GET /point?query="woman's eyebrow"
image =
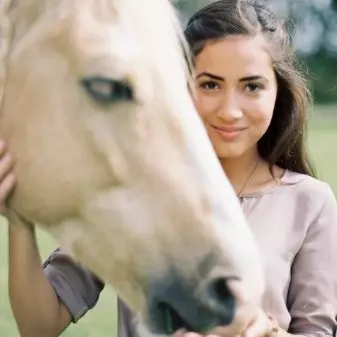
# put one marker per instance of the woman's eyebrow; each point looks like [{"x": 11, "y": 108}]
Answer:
[
  {"x": 253, "y": 78},
  {"x": 214, "y": 77},
  {"x": 243, "y": 79}
]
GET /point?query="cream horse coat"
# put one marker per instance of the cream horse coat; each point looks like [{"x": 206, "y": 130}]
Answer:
[{"x": 113, "y": 160}]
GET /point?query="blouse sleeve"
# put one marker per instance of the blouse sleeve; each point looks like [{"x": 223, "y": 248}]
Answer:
[
  {"x": 312, "y": 297},
  {"x": 76, "y": 287}
]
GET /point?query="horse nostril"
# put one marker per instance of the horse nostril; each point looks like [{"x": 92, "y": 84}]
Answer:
[
  {"x": 219, "y": 289},
  {"x": 222, "y": 297},
  {"x": 172, "y": 320},
  {"x": 173, "y": 305}
]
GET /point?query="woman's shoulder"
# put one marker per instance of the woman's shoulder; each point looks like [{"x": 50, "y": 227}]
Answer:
[
  {"x": 305, "y": 201},
  {"x": 308, "y": 188},
  {"x": 305, "y": 183}
]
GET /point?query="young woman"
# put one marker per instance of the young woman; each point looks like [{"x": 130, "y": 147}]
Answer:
[{"x": 254, "y": 104}]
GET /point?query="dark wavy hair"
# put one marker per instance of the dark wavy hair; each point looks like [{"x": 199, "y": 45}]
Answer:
[{"x": 284, "y": 142}]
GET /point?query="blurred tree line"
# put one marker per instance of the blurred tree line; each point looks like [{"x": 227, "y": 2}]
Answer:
[{"x": 314, "y": 29}]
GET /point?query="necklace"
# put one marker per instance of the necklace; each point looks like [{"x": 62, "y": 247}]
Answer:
[{"x": 249, "y": 178}]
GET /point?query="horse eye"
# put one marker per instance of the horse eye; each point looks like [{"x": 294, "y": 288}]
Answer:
[{"x": 107, "y": 90}]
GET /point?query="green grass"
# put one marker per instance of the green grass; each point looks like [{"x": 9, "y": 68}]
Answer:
[
  {"x": 323, "y": 143},
  {"x": 101, "y": 321}
]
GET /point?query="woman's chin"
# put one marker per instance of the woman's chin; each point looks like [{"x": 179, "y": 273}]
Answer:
[{"x": 228, "y": 151}]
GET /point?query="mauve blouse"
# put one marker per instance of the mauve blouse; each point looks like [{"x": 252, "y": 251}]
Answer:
[{"x": 295, "y": 225}]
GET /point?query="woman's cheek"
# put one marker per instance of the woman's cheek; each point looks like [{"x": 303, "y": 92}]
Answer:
[{"x": 206, "y": 105}]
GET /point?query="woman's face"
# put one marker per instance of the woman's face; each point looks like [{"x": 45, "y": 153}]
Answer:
[{"x": 236, "y": 93}]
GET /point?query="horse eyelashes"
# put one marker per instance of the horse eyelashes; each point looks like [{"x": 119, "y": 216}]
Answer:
[{"x": 107, "y": 90}]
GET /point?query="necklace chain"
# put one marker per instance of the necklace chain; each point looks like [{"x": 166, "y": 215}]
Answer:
[{"x": 249, "y": 178}]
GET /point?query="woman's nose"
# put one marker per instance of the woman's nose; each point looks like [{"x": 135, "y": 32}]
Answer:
[{"x": 229, "y": 108}]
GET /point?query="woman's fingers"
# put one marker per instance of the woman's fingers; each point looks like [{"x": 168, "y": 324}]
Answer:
[
  {"x": 2, "y": 147},
  {"x": 184, "y": 333},
  {"x": 6, "y": 164},
  {"x": 193, "y": 334},
  {"x": 7, "y": 178},
  {"x": 6, "y": 186},
  {"x": 259, "y": 328}
]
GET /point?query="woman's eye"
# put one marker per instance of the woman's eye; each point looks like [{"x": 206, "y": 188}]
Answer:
[
  {"x": 209, "y": 85},
  {"x": 254, "y": 87}
]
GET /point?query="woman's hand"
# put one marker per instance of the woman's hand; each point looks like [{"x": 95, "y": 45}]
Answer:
[
  {"x": 7, "y": 177},
  {"x": 7, "y": 184},
  {"x": 261, "y": 326}
]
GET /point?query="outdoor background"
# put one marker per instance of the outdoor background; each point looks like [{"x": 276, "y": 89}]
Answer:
[{"x": 316, "y": 42}]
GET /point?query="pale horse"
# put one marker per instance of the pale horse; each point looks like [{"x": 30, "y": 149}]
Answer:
[{"x": 114, "y": 162}]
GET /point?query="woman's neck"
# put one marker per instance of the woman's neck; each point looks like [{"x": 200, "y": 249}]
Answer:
[
  {"x": 241, "y": 169},
  {"x": 250, "y": 173}
]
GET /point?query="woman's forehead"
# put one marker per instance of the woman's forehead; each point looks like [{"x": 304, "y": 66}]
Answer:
[{"x": 237, "y": 53}]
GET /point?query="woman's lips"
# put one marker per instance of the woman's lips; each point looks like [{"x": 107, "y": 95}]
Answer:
[{"x": 228, "y": 133}]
